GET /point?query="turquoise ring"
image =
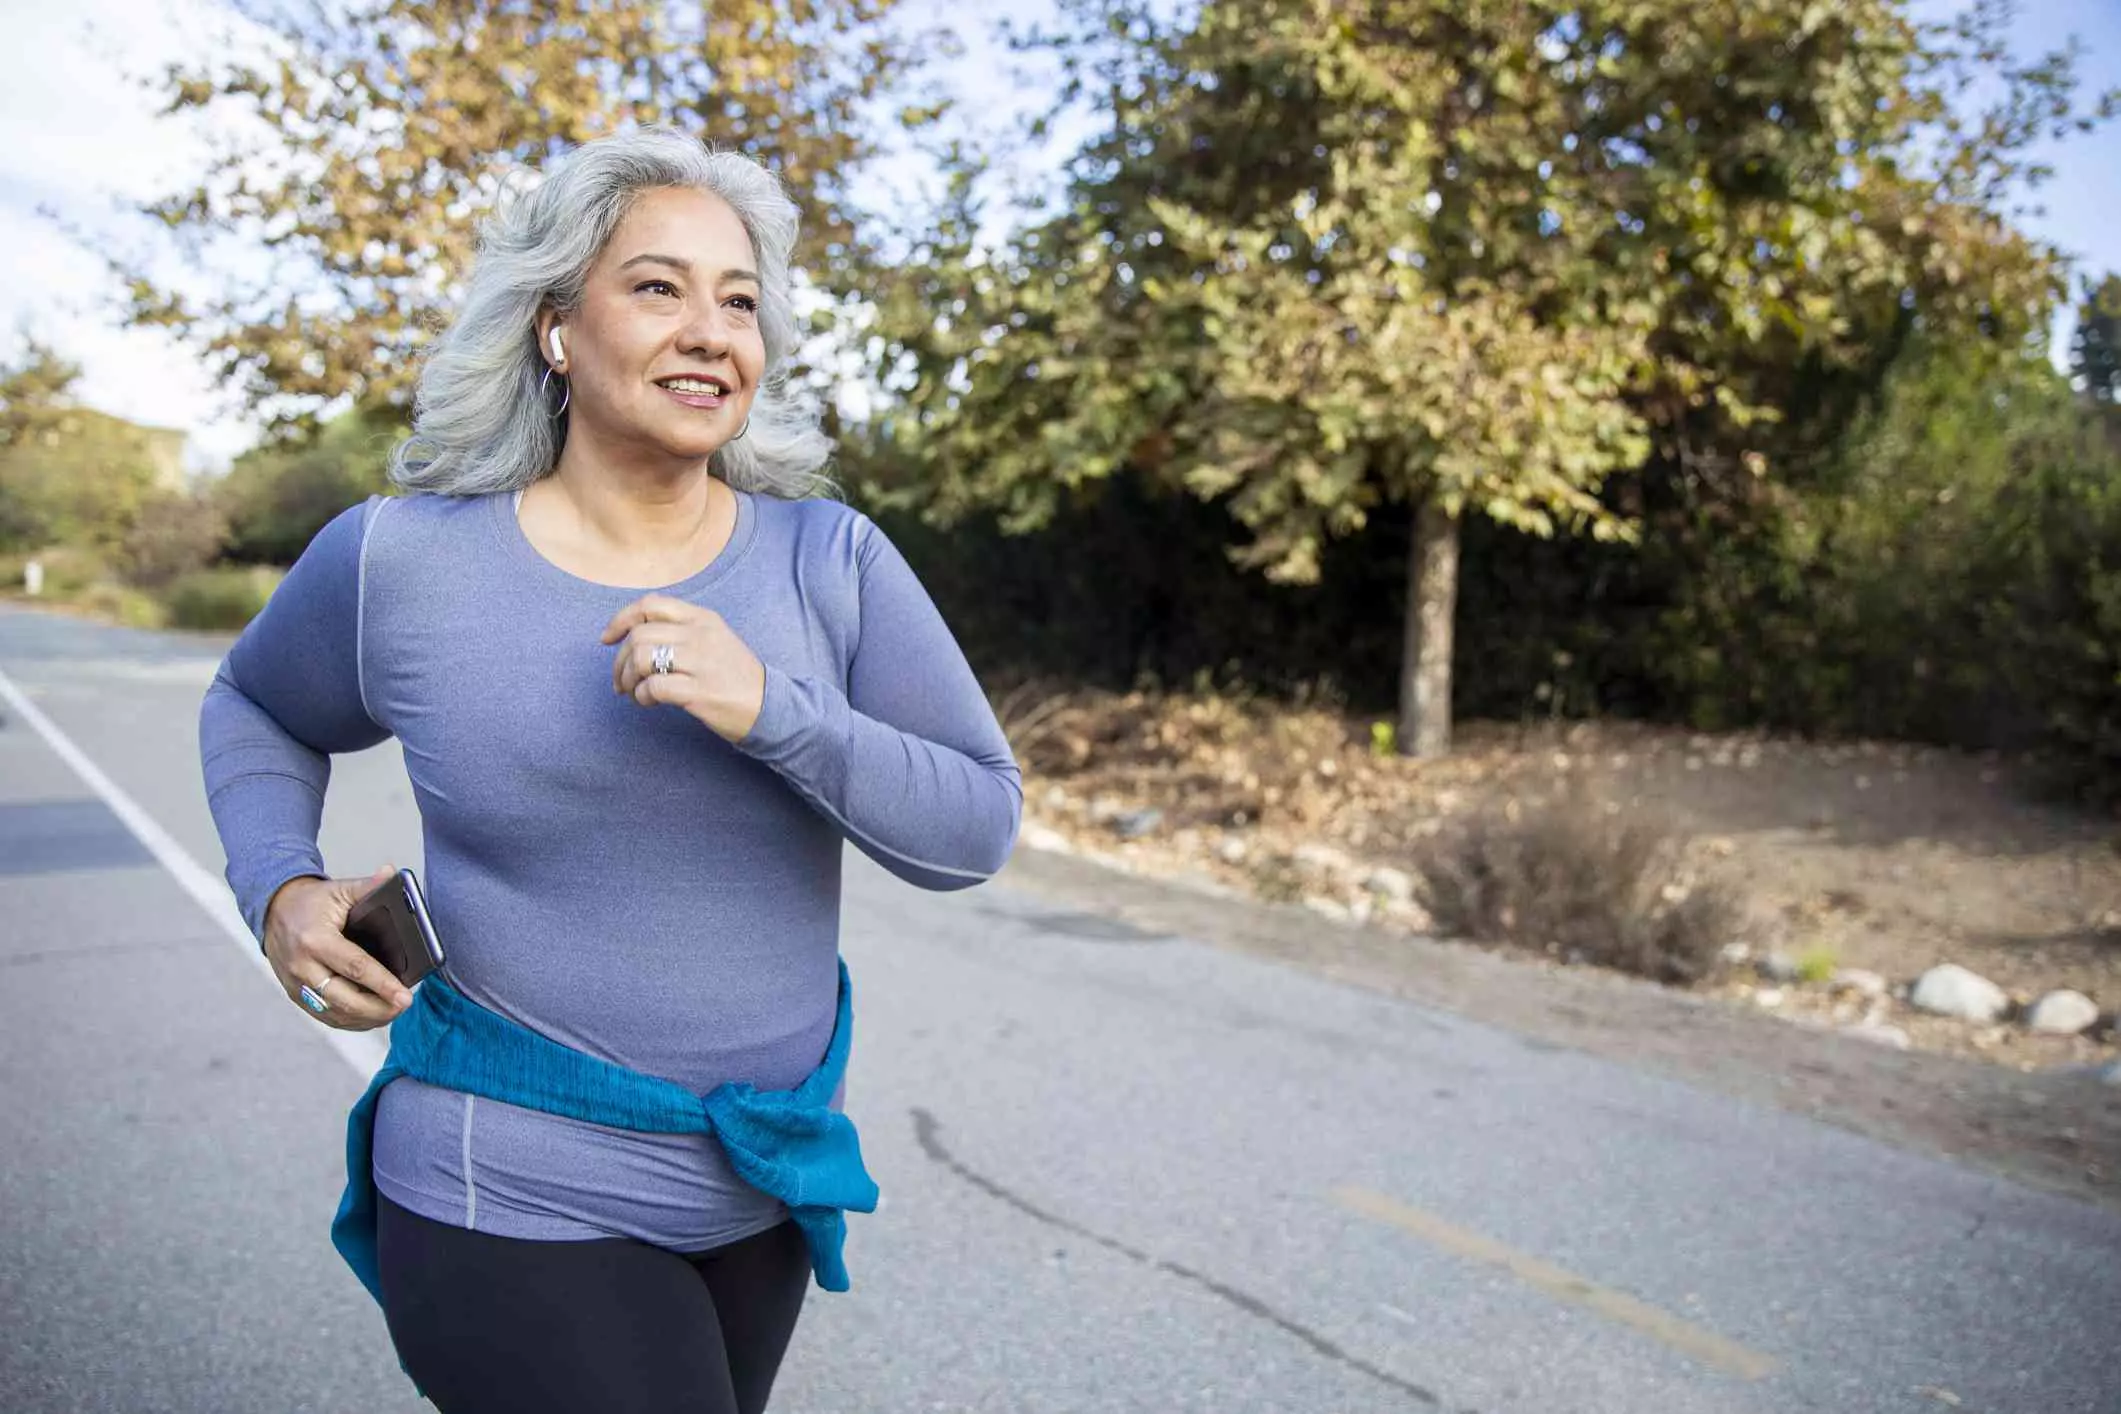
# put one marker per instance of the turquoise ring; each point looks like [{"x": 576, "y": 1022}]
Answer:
[{"x": 314, "y": 1000}]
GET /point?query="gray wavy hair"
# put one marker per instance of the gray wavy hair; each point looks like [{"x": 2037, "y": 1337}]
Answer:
[{"x": 482, "y": 422}]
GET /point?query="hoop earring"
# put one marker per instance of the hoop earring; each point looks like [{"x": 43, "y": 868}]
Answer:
[
  {"x": 742, "y": 430},
  {"x": 566, "y": 391}
]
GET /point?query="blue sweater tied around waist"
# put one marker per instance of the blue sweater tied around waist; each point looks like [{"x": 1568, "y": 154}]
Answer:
[{"x": 790, "y": 1144}]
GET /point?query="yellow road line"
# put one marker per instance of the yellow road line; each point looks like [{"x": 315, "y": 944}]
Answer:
[{"x": 1690, "y": 1340}]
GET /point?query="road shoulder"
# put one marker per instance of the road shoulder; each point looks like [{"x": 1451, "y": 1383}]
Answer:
[{"x": 2057, "y": 1131}]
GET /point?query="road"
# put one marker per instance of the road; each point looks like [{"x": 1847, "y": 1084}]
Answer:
[{"x": 1122, "y": 1172}]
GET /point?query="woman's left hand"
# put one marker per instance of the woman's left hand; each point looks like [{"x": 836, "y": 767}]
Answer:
[{"x": 713, "y": 674}]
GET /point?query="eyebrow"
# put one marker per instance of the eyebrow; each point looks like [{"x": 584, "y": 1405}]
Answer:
[{"x": 685, "y": 266}]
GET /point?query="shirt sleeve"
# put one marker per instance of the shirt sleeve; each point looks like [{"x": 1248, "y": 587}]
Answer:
[
  {"x": 286, "y": 697},
  {"x": 909, "y": 763}
]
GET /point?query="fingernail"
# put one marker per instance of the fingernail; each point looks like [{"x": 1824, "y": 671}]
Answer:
[{"x": 404, "y": 999}]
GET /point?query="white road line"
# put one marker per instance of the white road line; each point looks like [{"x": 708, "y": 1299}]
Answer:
[{"x": 363, "y": 1050}]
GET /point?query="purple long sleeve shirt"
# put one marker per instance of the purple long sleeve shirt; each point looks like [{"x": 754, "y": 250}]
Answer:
[{"x": 620, "y": 879}]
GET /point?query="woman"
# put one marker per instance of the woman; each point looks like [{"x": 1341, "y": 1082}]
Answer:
[{"x": 644, "y": 687}]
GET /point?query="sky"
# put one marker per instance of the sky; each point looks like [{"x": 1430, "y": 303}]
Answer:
[{"x": 77, "y": 138}]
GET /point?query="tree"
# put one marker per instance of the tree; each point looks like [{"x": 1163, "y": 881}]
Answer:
[
  {"x": 278, "y": 496},
  {"x": 70, "y": 474},
  {"x": 2095, "y": 350},
  {"x": 385, "y": 127},
  {"x": 1444, "y": 257}
]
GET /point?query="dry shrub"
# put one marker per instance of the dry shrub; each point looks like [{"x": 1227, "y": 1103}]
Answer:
[
  {"x": 122, "y": 604},
  {"x": 175, "y": 534},
  {"x": 1577, "y": 881}
]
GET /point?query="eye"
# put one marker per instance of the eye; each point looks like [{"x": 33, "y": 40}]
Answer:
[
  {"x": 746, "y": 303},
  {"x": 659, "y": 286}
]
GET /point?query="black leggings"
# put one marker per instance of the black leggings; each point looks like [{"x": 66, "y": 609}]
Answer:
[{"x": 487, "y": 1323}]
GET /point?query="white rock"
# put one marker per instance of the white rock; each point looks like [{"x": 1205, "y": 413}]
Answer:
[
  {"x": 1737, "y": 954},
  {"x": 1777, "y": 967},
  {"x": 1319, "y": 858},
  {"x": 1411, "y": 916},
  {"x": 1232, "y": 850},
  {"x": 1861, "y": 981},
  {"x": 1036, "y": 836},
  {"x": 1331, "y": 907},
  {"x": 1768, "y": 996},
  {"x": 1950, "y": 990},
  {"x": 1394, "y": 884},
  {"x": 1892, "y": 1036},
  {"x": 2062, "y": 1013}
]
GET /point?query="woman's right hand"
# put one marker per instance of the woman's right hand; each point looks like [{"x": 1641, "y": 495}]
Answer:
[{"x": 306, "y": 944}]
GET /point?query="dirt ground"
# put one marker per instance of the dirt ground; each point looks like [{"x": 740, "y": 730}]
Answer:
[{"x": 1885, "y": 857}]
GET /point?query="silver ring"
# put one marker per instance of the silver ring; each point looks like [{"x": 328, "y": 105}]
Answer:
[
  {"x": 663, "y": 658},
  {"x": 314, "y": 999}
]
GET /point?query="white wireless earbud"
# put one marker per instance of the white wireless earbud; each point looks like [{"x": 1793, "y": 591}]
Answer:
[{"x": 559, "y": 352}]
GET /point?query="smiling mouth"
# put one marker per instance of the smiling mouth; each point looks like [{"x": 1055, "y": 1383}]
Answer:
[{"x": 691, "y": 386}]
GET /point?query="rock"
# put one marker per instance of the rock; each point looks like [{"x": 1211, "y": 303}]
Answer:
[
  {"x": 1136, "y": 823},
  {"x": 1411, "y": 916},
  {"x": 1319, "y": 858},
  {"x": 1736, "y": 954},
  {"x": 1332, "y": 908},
  {"x": 1777, "y": 967},
  {"x": 1105, "y": 809},
  {"x": 1892, "y": 1036},
  {"x": 2062, "y": 1013},
  {"x": 1041, "y": 837},
  {"x": 1769, "y": 997},
  {"x": 1864, "y": 983},
  {"x": 1950, "y": 990},
  {"x": 1056, "y": 798},
  {"x": 1394, "y": 884},
  {"x": 1232, "y": 851},
  {"x": 1363, "y": 909}
]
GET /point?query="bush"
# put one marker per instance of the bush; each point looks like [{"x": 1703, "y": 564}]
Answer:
[
  {"x": 173, "y": 535},
  {"x": 277, "y": 497},
  {"x": 122, "y": 604},
  {"x": 69, "y": 571},
  {"x": 225, "y": 598},
  {"x": 1580, "y": 883}
]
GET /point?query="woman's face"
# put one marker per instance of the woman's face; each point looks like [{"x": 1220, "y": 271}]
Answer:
[{"x": 664, "y": 354}]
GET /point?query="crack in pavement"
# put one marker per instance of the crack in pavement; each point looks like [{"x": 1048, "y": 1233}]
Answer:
[{"x": 928, "y": 1132}]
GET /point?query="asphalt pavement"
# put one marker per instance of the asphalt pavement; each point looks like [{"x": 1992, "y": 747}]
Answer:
[{"x": 1122, "y": 1171}]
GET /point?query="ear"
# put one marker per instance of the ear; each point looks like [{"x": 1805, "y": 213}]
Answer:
[{"x": 549, "y": 340}]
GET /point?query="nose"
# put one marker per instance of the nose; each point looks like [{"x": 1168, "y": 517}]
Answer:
[{"x": 705, "y": 331}]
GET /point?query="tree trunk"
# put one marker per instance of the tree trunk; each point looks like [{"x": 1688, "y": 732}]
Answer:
[{"x": 1425, "y": 658}]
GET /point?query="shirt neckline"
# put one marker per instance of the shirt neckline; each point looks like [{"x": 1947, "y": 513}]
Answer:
[{"x": 503, "y": 506}]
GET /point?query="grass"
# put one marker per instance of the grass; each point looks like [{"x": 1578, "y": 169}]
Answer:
[{"x": 1817, "y": 965}]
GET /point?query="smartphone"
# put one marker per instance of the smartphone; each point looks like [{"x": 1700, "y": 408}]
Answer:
[{"x": 392, "y": 926}]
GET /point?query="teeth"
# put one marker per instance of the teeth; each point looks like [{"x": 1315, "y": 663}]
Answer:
[{"x": 692, "y": 385}]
